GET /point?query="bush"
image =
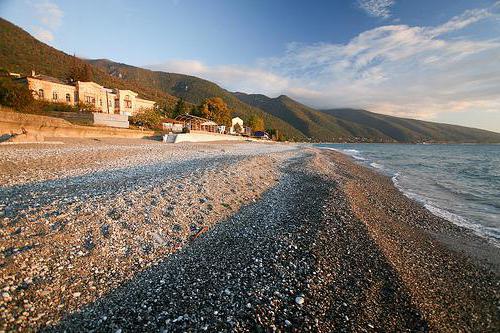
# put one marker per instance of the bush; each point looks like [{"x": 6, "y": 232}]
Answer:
[
  {"x": 149, "y": 118},
  {"x": 15, "y": 95}
]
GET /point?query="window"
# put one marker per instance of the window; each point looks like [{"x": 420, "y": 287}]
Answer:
[
  {"x": 88, "y": 99},
  {"x": 40, "y": 93},
  {"x": 54, "y": 95},
  {"x": 128, "y": 102},
  {"x": 68, "y": 98},
  {"x": 100, "y": 101}
]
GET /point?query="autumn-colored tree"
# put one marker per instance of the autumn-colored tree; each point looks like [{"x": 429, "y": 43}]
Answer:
[
  {"x": 215, "y": 109},
  {"x": 149, "y": 118},
  {"x": 256, "y": 123}
]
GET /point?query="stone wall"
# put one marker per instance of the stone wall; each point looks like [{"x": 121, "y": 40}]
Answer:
[{"x": 111, "y": 120}]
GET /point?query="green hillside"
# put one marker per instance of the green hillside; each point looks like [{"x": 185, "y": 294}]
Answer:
[
  {"x": 194, "y": 90},
  {"x": 22, "y": 53},
  {"x": 313, "y": 123}
]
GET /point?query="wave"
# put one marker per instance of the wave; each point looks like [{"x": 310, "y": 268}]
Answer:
[
  {"x": 376, "y": 165},
  {"x": 352, "y": 151},
  {"x": 491, "y": 234}
]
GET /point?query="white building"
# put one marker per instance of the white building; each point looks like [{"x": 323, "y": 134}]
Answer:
[{"x": 234, "y": 121}]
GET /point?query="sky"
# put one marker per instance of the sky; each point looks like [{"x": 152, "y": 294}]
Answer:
[{"x": 425, "y": 59}]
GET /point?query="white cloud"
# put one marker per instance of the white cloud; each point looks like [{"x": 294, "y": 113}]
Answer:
[
  {"x": 48, "y": 17},
  {"x": 44, "y": 35},
  {"x": 49, "y": 14},
  {"x": 377, "y": 8},
  {"x": 238, "y": 78}
]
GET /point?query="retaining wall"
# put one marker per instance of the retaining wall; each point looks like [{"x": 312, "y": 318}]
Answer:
[
  {"x": 200, "y": 137},
  {"x": 16, "y": 123}
]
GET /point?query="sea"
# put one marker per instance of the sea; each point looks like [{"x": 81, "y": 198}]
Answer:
[{"x": 458, "y": 182}]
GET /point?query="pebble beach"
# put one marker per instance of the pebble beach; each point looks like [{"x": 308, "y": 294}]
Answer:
[{"x": 126, "y": 235}]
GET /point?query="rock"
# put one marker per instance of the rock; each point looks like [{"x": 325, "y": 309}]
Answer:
[
  {"x": 77, "y": 294},
  {"x": 288, "y": 323},
  {"x": 6, "y": 297},
  {"x": 300, "y": 299}
]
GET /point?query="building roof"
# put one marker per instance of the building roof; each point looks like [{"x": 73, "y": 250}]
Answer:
[
  {"x": 200, "y": 120},
  {"x": 170, "y": 120},
  {"x": 48, "y": 78}
]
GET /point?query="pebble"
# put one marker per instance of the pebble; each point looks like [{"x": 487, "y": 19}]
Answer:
[{"x": 300, "y": 299}]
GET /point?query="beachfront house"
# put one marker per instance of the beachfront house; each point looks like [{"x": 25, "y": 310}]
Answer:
[{"x": 103, "y": 100}]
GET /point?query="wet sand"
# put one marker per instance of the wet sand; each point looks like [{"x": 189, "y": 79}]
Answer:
[{"x": 128, "y": 235}]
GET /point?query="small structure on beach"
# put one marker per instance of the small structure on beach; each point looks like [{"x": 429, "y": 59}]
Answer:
[
  {"x": 236, "y": 126},
  {"x": 172, "y": 125},
  {"x": 262, "y": 135},
  {"x": 195, "y": 123}
]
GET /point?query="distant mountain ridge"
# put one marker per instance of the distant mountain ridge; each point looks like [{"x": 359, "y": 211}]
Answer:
[
  {"x": 20, "y": 52},
  {"x": 355, "y": 125}
]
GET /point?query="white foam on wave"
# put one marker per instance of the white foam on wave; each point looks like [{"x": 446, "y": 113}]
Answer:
[
  {"x": 445, "y": 214},
  {"x": 351, "y": 151},
  {"x": 376, "y": 165}
]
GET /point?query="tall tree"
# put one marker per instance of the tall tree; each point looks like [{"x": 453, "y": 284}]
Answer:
[
  {"x": 217, "y": 110},
  {"x": 256, "y": 123},
  {"x": 179, "y": 108},
  {"x": 79, "y": 71}
]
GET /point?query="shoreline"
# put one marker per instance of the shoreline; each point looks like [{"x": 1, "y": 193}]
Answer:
[
  {"x": 231, "y": 237},
  {"x": 457, "y": 219}
]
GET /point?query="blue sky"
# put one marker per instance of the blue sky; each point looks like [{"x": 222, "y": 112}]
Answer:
[{"x": 432, "y": 60}]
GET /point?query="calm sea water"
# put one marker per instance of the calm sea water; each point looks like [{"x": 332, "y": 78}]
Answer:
[{"x": 460, "y": 183}]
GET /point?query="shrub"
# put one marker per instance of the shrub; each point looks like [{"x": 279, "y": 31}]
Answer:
[
  {"x": 149, "y": 118},
  {"x": 15, "y": 95}
]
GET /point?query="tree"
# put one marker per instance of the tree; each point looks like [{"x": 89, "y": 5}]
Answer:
[
  {"x": 15, "y": 95},
  {"x": 237, "y": 128},
  {"x": 215, "y": 109},
  {"x": 179, "y": 108},
  {"x": 79, "y": 71},
  {"x": 256, "y": 123},
  {"x": 149, "y": 118}
]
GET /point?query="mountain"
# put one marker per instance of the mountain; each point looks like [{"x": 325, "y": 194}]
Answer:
[
  {"x": 313, "y": 123},
  {"x": 412, "y": 130},
  {"x": 193, "y": 90},
  {"x": 360, "y": 125}
]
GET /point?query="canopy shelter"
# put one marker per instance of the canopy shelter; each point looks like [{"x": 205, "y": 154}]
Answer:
[{"x": 195, "y": 123}]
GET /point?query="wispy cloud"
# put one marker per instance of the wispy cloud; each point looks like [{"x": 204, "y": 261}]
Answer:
[
  {"x": 49, "y": 17},
  {"x": 377, "y": 8},
  {"x": 49, "y": 14},
  {"x": 43, "y": 34},
  {"x": 411, "y": 71},
  {"x": 238, "y": 78}
]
